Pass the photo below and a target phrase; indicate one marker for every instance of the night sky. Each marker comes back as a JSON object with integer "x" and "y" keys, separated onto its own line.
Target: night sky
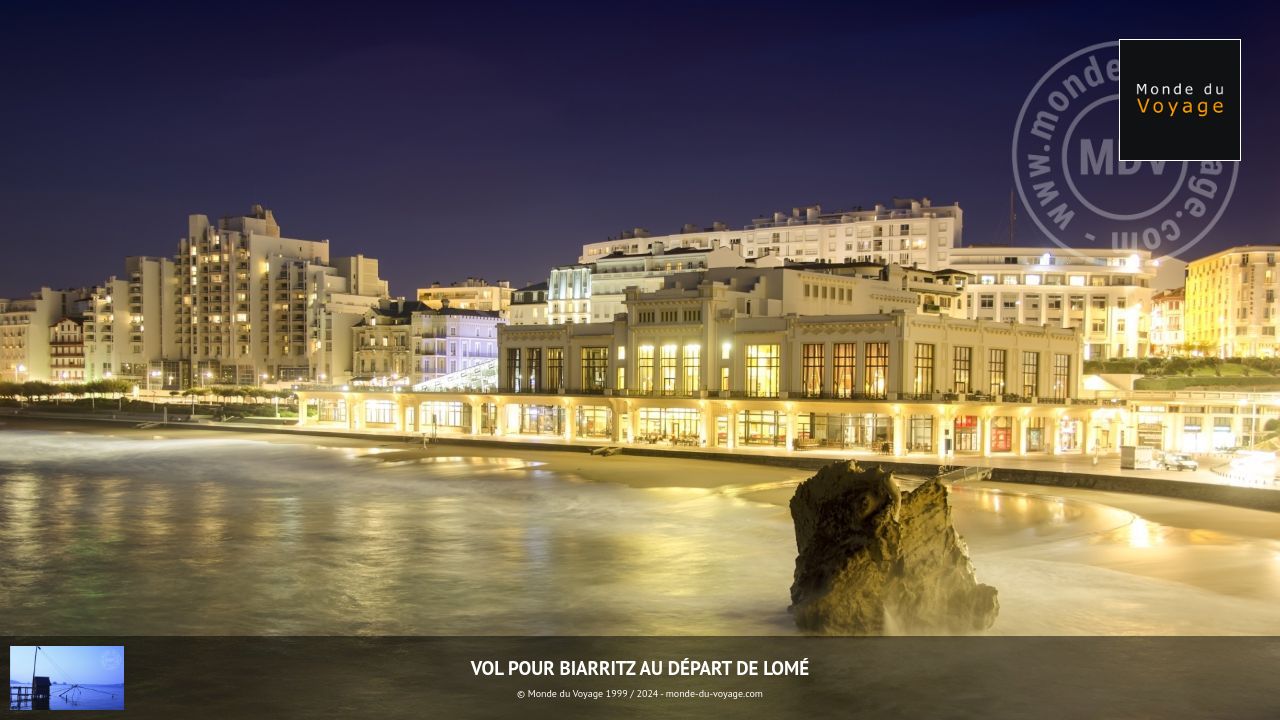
{"x": 488, "y": 140}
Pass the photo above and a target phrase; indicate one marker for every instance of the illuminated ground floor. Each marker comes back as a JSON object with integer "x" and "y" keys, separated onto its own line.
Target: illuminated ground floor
{"x": 890, "y": 428}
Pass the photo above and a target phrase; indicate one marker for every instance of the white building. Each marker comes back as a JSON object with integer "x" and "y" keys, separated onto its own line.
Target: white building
{"x": 257, "y": 307}
{"x": 406, "y": 343}
{"x": 912, "y": 232}
{"x": 1106, "y": 293}
{"x": 788, "y": 357}
{"x": 130, "y": 326}
{"x": 529, "y": 305}
{"x": 1168, "y": 329}
{"x": 25, "y": 332}
{"x": 470, "y": 294}
{"x": 66, "y": 350}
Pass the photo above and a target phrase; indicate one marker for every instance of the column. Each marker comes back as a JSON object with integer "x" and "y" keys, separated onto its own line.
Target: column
{"x": 899, "y": 447}
{"x": 302, "y": 410}
{"x": 939, "y": 434}
{"x": 709, "y": 425}
{"x": 731, "y": 442}
{"x": 475, "y": 418}
{"x": 984, "y": 427}
{"x": 633, "y": 423}
{"x": 1053, "y": 426}
{"x": 355, "y": 413}
{"x": 500, "y": 418}
{"x": 615, "y": 423}
{"x": 570, "y": 421}
{"x": 791, "y": 430}
{"x": 1022, "y": 434}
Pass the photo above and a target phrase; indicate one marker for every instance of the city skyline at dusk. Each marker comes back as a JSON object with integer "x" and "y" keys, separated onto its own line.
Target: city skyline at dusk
{"x": 452, "y": 144}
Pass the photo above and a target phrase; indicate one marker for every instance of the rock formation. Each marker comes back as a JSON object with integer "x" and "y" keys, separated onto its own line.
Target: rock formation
{"x": 872, "y": 559}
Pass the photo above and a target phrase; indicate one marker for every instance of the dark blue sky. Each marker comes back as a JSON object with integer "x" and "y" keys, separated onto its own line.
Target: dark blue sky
{"x": 492, "y": 140}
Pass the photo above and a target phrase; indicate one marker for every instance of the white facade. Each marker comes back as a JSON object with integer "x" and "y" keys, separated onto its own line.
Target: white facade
{"x": 407, "y": 342}
{"x": 470, "y": 294}
{"x": 913, "y": 232}
{"x": 529, "y": 305}
{"x": 130, "y": 325}
{"x": 256, "y": 307}
{"x": 1168, "y": 328}
{"x": 1105, "y": 293}
{"x": 24, "y": 332}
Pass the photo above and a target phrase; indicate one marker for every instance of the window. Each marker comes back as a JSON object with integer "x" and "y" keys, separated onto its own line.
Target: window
{"x": 644, "y": 368}
{"x": 1061, "y": 375}
{"x": 555, "y": 368}
{"x": 814, "y": 357}
{"x": 996, "y": 371}
{"x": 1030, "y": 373}
{"x": 667, "y": 369}
{"x": 876, "y": 380}
{"x": 513, "y": 369}
{"x": 692, "y": 368}
{"x": 924, "y": 368}
{"x": 533, "y": 365}
{"x": 962, "y": 369}
{"x": 381, "y": 412}
{"x": 595, "y": 366}
{"x": 987, "y": 302}
{"x": 764, "y": 369}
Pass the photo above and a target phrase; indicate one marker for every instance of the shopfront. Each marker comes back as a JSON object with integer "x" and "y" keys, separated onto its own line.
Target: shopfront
{"x": 762, "y": 427}
{"x": 594, "y": 421}
{"x": 681, "y": 426}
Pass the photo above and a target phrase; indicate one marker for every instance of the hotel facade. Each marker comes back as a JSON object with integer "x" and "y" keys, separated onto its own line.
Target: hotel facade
{"x": 1231, "y": 302}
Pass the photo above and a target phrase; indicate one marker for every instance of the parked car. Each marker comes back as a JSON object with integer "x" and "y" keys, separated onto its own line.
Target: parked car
{"x": 1179, "y": 461}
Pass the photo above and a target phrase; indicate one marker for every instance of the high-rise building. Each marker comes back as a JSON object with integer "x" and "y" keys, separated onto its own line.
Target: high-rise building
{"x": 257, "y": 307}
{"x": 130, "y": 326}
{"x": 1231, "y": 302}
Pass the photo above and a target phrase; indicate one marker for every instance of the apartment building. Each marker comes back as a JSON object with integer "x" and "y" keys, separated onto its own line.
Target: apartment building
{"x": 25, "y": 335}
{"x": 405, "y": 342}
{"x": 470, "y": 294}
{"x": 130, "y": 326}
{"x": 911, "y": 232}
{"x": 1168, "y": 335}
{"x": 1231, "y": 308}
{"x": 66, "y": 351}
{"x": 256, "y": 307}
{"x": 1105, "y": 293}
{"x": 529, "y": 305}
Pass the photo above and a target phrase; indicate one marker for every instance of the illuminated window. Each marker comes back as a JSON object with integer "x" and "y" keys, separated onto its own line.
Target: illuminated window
{"x": 877, "y": 370}
{"x": 764, "y": 370}
{"x": 644, "y": 368}
{"x": 692, "y": 368}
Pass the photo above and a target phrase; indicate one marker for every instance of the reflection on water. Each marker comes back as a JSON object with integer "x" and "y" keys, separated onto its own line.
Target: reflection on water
{"x": 108, "y": 535}
{"x": 105, "y": 535}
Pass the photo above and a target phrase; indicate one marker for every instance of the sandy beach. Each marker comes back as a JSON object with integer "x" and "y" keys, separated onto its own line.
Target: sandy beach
{"x": 747, "y": 481}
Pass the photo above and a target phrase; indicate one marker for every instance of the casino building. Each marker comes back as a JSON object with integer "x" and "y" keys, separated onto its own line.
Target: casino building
{"x": 776, "y": 357}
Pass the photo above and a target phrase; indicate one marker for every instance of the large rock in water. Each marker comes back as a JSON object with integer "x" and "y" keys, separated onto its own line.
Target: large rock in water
{"x": 873, "y": 560}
